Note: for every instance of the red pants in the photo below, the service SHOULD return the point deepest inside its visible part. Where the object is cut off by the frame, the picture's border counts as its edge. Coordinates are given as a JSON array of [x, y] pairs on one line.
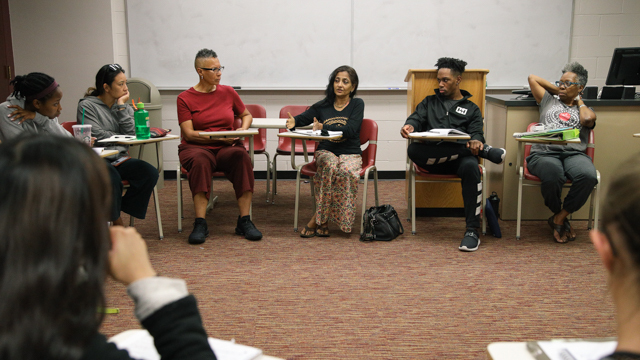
[[201, 163]]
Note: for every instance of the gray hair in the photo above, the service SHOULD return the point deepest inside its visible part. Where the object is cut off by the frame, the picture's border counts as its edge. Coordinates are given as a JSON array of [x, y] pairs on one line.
[[579, 70], [204, 54]]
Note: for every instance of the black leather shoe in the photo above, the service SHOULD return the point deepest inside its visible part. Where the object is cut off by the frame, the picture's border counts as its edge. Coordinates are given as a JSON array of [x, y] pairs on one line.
[[200, 232], [245, 227]]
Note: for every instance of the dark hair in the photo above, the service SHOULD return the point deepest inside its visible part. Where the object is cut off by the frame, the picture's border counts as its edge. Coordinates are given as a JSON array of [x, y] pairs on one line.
[[32, 84], [106, 75], [579, 70], [330, 93], [204, 54], [455, 65], [621, 208], [54, 246]]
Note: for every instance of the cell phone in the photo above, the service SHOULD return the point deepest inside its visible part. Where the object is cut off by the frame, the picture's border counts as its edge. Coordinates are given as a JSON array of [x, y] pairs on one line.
[[119, 161]]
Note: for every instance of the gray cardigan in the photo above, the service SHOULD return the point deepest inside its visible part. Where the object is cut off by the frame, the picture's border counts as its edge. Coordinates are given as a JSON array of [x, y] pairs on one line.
[[39, 125], [107, 122]]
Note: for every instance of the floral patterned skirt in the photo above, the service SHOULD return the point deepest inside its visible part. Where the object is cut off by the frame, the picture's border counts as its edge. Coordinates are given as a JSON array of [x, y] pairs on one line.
[[336, 188]]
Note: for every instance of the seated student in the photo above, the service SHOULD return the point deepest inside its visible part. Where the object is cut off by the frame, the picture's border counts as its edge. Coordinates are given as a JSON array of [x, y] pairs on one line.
[[209, 106], [561, 106], [56, 251], [34, 107], [618, 244], [338, 161], [105, 108], [450, 108]]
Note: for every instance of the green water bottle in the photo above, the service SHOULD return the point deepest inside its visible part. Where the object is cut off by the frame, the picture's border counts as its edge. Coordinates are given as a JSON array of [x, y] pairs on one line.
[[141, 117]]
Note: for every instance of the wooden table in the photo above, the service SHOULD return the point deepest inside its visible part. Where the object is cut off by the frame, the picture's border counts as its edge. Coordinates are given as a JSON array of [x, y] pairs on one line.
[[106, 153]]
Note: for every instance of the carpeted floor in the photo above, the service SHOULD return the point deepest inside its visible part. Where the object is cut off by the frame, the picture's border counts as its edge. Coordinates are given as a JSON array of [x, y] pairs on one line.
[[417, 297]]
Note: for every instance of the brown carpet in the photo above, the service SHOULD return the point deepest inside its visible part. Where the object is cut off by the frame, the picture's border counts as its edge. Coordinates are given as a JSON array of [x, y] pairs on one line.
[[417, 297]]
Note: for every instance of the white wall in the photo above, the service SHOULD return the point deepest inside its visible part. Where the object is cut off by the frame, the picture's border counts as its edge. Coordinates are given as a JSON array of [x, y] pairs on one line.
[[599, 26], [74, 53], [69, 40]]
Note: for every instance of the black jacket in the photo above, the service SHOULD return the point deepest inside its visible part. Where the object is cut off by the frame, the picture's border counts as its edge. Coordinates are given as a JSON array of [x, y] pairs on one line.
[[464, 115]]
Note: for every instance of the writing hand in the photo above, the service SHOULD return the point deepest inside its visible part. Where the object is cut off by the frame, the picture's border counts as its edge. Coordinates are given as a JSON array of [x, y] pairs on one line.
[[316, 124], [21, 115], [475, 146], [128, 257], [291, 122], [406, 130]]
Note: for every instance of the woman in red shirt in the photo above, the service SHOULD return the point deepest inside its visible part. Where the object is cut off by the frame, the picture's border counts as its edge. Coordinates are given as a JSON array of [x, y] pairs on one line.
[[209, 106]]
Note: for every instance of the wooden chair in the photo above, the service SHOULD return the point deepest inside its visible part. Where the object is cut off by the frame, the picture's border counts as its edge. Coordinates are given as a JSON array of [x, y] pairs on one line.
[[525, 178]]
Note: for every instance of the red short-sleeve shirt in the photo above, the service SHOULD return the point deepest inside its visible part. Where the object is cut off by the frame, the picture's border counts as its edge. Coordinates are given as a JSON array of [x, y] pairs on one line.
[[214, 111]]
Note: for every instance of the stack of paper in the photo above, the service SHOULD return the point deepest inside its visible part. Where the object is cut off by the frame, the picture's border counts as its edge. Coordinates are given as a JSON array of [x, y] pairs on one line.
[[565, 133], [316, 132], [571, 349], [441, 133]]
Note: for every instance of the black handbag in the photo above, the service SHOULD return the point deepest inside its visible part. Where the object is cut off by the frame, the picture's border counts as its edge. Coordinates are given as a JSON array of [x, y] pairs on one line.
[[381, 223]]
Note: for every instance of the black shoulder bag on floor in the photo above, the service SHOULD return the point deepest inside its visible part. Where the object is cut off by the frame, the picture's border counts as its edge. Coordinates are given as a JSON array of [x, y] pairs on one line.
[[381, 223]]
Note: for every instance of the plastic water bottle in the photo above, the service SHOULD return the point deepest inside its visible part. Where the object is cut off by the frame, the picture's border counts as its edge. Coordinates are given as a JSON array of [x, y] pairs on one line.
[[141, 117]]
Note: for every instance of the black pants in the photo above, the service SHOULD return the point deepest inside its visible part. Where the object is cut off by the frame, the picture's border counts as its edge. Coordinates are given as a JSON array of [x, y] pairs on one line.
[[142, 178], [453, 158]]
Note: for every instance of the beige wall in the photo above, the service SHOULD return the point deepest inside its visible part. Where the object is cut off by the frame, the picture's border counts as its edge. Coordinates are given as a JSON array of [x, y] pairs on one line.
[[73, 54], [69, 40]]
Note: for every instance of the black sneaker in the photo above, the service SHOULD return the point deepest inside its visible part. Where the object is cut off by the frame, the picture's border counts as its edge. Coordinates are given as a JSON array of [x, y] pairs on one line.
[[470, 242], [200, 231], [492, 154], [245, 227]]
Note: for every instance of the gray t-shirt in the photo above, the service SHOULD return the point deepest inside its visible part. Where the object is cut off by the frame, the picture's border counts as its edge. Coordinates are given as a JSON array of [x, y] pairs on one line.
[[556, 114]]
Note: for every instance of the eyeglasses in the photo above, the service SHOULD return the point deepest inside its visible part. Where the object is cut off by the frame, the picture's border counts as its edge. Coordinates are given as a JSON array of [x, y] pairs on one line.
[[214, 69], [566, 83]]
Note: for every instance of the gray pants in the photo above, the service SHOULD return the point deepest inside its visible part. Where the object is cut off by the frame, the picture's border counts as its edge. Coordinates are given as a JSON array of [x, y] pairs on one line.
[[554, 169]]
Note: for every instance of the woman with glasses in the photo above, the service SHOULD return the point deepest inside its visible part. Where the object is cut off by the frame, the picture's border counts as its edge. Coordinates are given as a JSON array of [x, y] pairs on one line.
[[105, 108], [209, 106], [561, 106], [56, 252], [339, 161]]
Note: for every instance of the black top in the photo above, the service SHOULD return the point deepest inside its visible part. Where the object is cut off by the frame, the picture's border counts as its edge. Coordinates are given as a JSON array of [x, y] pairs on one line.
[[347, 120]]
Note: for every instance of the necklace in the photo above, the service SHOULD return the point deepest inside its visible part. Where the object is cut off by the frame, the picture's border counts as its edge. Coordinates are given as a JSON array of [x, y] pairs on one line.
[[340, 106]]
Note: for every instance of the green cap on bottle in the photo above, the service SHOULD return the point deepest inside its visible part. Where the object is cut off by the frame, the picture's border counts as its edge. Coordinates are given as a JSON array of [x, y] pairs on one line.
[[140, 105]]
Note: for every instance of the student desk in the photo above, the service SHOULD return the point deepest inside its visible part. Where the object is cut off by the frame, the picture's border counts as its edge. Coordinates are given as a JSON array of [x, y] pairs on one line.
[[106, 153], [293, 135], [273, 123], [233, 134], [506, 114]]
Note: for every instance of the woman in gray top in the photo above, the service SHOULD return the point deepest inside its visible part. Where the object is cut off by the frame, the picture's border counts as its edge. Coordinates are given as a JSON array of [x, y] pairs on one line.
[[561, 105], [105, 108]]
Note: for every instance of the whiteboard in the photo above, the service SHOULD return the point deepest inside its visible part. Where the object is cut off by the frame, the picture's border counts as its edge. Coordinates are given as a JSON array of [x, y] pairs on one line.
[[293, 44]]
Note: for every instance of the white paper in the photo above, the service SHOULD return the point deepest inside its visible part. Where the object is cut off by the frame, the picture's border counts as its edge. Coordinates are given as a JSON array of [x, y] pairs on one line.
[[440, 133], [139, 344], [316, 132], [577, 350], [98, 150], [116, 138]]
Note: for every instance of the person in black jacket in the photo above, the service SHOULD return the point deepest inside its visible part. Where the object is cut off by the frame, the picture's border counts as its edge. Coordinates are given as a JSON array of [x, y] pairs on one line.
[[56, 251], [450, 108]]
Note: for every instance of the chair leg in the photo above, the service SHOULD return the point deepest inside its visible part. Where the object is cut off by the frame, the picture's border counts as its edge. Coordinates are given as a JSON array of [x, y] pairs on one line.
[[364, 199], [212, 199], [274, 175], [519, 212], [596, 194], [375, 184], [268, 173], [413, 201], [295, 213], [157, 205], [179, 192], [131, 221]]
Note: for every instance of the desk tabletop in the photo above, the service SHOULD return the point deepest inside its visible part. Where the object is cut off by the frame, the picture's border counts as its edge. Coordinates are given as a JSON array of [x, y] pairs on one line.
[[509, 351], [439, 137], [105, 153], [636, 135], [308, 137], [147, 141], [229, 134], [548, 141], [272, 123]]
